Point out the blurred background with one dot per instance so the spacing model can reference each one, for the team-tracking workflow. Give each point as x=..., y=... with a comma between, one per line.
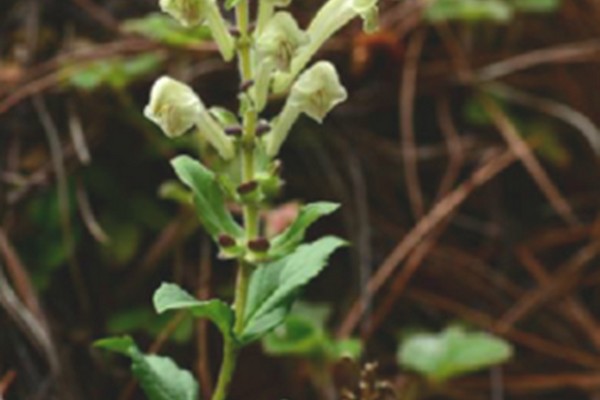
x=466, y=160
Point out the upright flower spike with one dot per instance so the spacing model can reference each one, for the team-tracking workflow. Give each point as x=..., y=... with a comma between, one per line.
x=315, y=93
x=195, y=12
x=333, y=16
x=176, y=108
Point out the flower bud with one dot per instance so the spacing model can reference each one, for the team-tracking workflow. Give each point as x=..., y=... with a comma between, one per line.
x=176, y=108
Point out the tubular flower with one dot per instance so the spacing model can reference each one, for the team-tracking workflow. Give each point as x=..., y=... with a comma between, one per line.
x=276, y=46
x=195, y=12
x=187, y=12
x=176, y=108
x=334, y=15
x=315, y=93
x=280, y=40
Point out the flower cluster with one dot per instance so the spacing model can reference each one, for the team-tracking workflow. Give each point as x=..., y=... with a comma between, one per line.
x=280, y=50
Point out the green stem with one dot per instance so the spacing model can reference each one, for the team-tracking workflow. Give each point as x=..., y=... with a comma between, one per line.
x=250, y=211
x=227, y=369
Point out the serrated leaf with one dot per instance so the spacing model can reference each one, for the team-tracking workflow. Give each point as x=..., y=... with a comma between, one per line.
x=209, y=198
x=159, y=377
x=452, y=352
x=171, y=297
x=274, y=285
x=286, y=242
x=162, y=379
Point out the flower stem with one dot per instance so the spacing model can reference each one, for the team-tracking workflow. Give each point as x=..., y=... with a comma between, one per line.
x=250, y=211
x=227, y=369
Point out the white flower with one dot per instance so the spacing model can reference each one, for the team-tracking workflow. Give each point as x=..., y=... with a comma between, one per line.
x=173, y=106
x=187, y=12
x=280, y=40
x=318, y=90
x=195, y=12
x=315, y=93
x=176, y=108
x=333, y=16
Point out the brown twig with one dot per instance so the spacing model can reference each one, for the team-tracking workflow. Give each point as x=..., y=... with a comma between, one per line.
x=572, y=308
x=407, y=108
x=533, y=166
x=424, y=227
x=562, y=280
x=562, y=53
x=6, y=381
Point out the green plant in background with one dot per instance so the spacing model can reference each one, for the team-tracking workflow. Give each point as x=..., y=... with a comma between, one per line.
x=451, y=353
x=486, y=10
x=272, y=58
x=303, y=336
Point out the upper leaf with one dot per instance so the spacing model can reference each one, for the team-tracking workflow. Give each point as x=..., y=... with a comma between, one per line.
x=294, y=234
x=160, y=377
x=171, y=297
x=274, y=285
x=452, y=352
x=208, y=197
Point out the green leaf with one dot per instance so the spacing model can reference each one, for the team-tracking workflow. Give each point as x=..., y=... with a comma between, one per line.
x=452, y=352
x=349, y=348
x=164, y=29
x=274, y=285
x=159, y=377
x=171, y=297
x=297, y=336
x=208, y=197
x=122, y=344
x=286, y=242
x=536, y=6
x=469, y=10
x=303, y=334
x=115, y=72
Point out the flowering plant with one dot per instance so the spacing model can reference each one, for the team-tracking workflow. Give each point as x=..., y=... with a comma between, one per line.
x=272, y=58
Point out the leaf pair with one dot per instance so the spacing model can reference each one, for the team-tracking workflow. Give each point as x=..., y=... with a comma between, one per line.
x=209, y=200
x=273, y=288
